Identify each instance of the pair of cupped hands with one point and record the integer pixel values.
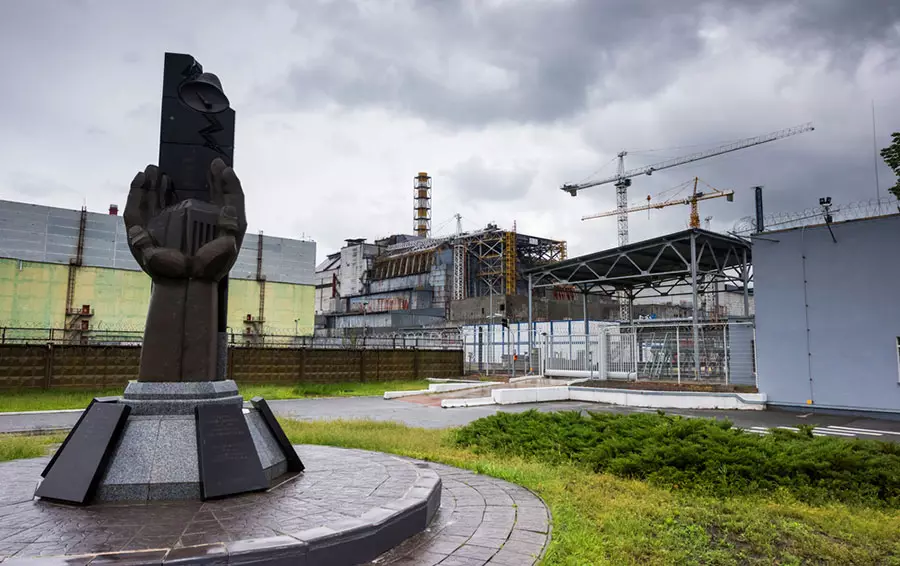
(214, 259)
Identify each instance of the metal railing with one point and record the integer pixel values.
(506, 354)
(724, 353)
(398, 341)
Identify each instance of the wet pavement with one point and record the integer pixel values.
(481, 520)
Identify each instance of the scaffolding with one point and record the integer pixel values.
(485, 259)
(509, 262)
(496, 259)
(486, 262)
(459, 271)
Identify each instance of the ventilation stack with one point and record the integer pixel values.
(422, 204)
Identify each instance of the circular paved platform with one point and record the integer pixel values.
(347, 499)
(482, 520)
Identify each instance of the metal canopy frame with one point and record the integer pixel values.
(657, 267)
(662, 266)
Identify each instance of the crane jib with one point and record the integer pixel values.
(697, 156)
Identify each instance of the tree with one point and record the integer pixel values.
(891, 156)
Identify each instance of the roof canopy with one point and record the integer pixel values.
(660, 266)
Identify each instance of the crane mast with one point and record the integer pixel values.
(622, 178)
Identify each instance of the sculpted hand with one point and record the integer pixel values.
(214, 259)
(148, 190)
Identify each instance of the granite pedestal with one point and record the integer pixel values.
(156, 457)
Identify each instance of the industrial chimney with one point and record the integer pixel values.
(422, 204)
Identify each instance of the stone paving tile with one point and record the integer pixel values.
(484, 513)
(481, 520)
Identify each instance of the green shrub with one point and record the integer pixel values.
(703, 455)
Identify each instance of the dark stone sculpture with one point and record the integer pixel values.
(186, 248)
(196, 127)
(181, 431)
(185, 222)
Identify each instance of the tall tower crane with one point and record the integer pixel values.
(622, 178)
(691, 200)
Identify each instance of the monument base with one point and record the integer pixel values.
(156, 456)
(179, 397)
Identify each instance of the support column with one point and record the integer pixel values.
(725, 343)
(530, 323)
(678, 353)
(695, 308)
(584, 305)
(745, 274)
(587, 332)
(490, 357)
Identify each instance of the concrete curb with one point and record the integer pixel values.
(26, 413)
(622, 397)
(441, 388)
(474, 402)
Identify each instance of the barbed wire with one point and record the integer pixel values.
(816, 215)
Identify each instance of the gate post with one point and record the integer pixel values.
(678, 352)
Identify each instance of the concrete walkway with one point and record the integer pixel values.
(423, 415)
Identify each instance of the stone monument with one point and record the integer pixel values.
(180, 431)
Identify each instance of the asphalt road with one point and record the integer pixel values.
(420, 415)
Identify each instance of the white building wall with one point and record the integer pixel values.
(827, 315)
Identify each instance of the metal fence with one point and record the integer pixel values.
(398, 341)
(500, 351)
(723, 353)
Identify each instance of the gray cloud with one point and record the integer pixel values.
(28, 185)
(473, 179)
(542, 61)
(340, 103)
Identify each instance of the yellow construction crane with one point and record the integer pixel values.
(691, 200)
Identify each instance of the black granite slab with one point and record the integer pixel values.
(75, 470)
(78, 422)
(227, 457)
(294, 464)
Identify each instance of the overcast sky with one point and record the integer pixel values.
(340, 103)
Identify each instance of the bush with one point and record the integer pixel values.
(703, 455)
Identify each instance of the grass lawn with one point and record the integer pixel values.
(54, 399)
(601, 518)
(16, 447)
